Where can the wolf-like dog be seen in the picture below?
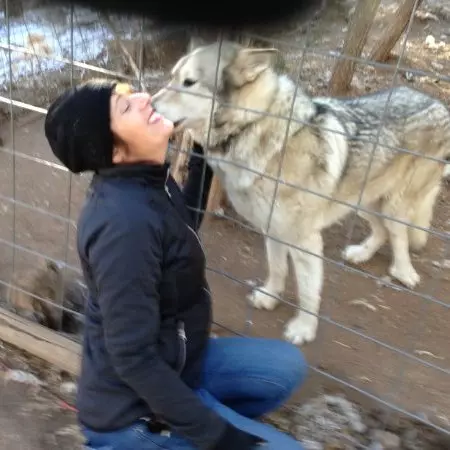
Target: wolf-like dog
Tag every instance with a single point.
(328, 150)
(34, 293)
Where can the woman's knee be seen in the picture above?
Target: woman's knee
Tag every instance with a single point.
(271, 360)
(291, 364)
(284, 364)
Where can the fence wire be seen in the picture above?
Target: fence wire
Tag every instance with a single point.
(45, 51)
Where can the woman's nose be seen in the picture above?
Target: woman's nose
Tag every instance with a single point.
(143, 100)
(146, 101)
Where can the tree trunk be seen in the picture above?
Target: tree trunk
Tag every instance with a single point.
(393, 31)
(357, 34)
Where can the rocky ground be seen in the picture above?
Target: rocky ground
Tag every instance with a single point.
(32, 389)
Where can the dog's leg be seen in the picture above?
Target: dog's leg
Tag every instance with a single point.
(277, 262)
(401, 267)
(361, 253)
(215, 198)
(309, 275)
(422, 216)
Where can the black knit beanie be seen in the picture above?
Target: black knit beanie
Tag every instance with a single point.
(77, 126)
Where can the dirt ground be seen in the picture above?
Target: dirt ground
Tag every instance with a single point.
(341, 356)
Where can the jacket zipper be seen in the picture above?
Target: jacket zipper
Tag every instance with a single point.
(180, 325)
(165, 184)
(195, 234)
(166, 188)
(182, 338)
(198, 240)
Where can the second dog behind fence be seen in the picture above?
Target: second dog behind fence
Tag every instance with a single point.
(335, 153)
(35, 294)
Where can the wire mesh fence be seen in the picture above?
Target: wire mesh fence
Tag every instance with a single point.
(380, 338)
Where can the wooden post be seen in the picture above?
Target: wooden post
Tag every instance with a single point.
(216, 196)
(40, 342)
(183, 143)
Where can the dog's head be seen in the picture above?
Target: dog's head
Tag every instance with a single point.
(229, 71)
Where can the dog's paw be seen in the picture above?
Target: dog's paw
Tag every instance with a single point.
(356, 254)
(407, 275)
(301, 329)
(260, 300)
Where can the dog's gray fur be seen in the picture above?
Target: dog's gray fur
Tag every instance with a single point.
(331, 160)
(34, 294)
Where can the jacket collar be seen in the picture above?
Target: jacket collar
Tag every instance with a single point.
(155, 174)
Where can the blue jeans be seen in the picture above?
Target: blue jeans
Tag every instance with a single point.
(243, 379)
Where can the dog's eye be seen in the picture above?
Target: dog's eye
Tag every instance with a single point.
(188, 82)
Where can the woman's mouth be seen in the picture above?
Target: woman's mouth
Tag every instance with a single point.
(154, 117)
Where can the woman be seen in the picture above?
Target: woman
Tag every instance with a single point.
(151, 377)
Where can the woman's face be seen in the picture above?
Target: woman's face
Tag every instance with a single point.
(142, 134)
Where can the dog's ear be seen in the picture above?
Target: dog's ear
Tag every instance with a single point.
(178, 64)
(256, 60)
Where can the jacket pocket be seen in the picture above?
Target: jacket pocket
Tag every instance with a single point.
(182, 340)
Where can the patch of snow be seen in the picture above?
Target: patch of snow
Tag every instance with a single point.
(48, 42)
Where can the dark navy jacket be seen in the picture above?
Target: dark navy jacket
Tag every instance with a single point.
(149, 311)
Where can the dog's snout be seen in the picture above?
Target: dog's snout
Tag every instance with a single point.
(219, 118)
(156, 97)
